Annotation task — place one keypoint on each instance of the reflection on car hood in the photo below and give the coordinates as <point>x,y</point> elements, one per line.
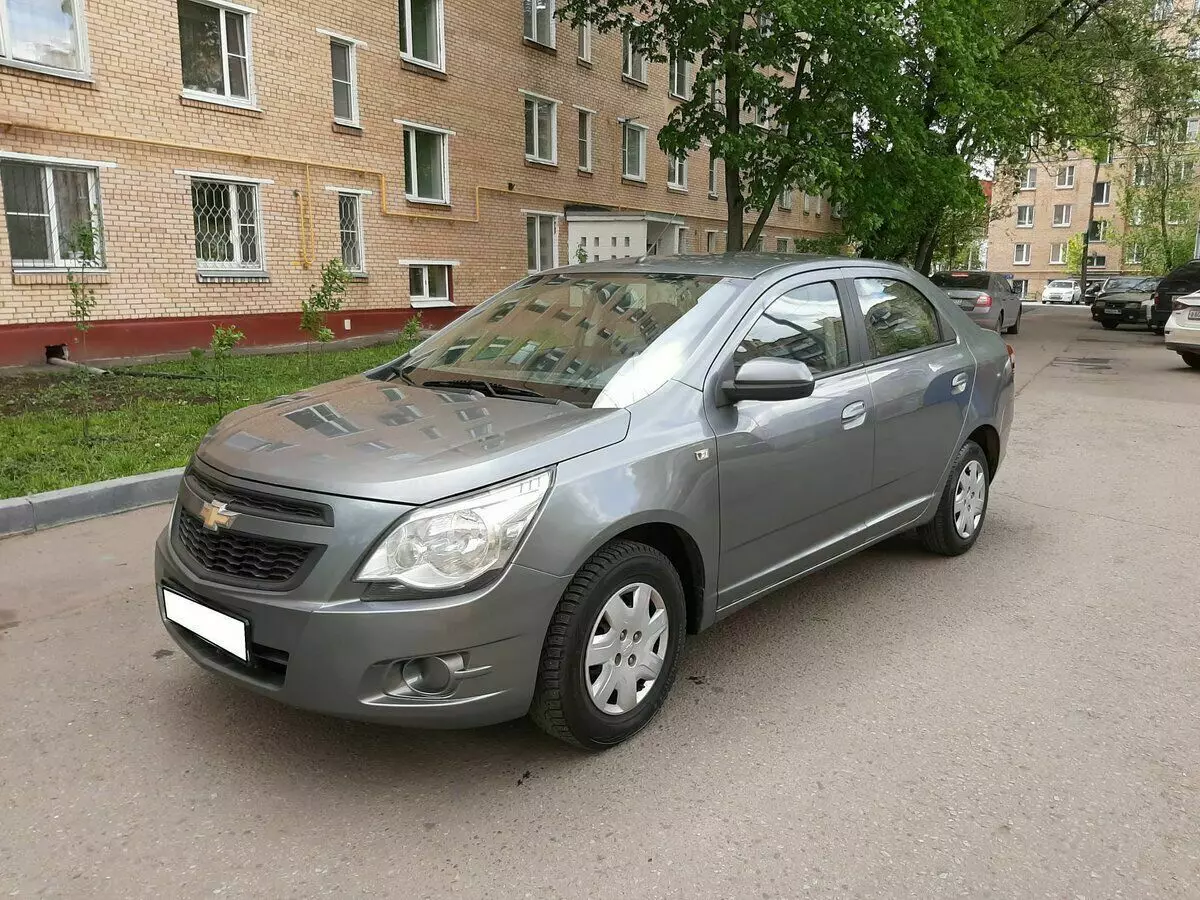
<point>389,441</point>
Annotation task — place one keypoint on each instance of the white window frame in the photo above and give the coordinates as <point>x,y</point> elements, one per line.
<point>1066,220</point>
<point>536,217</point>
<point>1134,255</point>
<point>250,101</point>
<point>1094,262</point>
<point>1107,193</point>
<point>588,118</point>
<point>425,301</point>
<point>1065,182</point>
<point>351,46</point>
<point>46,167</point>
<point>806,203</point>
<point>1027,221</point>
<point>714,183</point>
<point>539,100</point>
<point>1141,174</point>
<point>529,17</point>
<point>231,183</point>
<point>1101,226</point>
<point>406,51</point>
<point>1030,182</point>
<point>629,56</point>
<point>1021,259</point>
<point>79,17</point>
<point>356,196</point>
<point>411,159</point>
<point>674,74</point>
<point>584,53</point>
<point>641,131</point>
<point>1058,254</point>
<point>787,199</point>
<point>677,173</point>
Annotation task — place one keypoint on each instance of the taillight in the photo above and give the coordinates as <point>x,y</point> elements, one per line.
<point>1012,357</point>
<point>1177,306</point>
<point>983,300</point>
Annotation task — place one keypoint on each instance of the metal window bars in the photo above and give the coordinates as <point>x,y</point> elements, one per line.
<point>228,230</point>
<point>350,227</point>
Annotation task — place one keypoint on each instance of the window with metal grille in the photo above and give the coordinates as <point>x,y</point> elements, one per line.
<point>541,242</point>
<point>53,215</point>
<point>345,82</point>
<point>228,227</point>
<point>633,151</point>
<point>426,165</point>
<point>422,32</point>
<point>677,172</point>
<point>43,34</point>
<point>585,140</point>
<point>541,129</point>
<point>539,21</point>
<point>781,245</point>
<point>429,285</point>
<point>350,226</point>
<point>214,43</point>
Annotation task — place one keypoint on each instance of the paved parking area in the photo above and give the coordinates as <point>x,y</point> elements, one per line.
<point>1018,722</point>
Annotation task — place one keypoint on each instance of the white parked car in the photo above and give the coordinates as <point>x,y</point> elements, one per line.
<point>1062,290</point>
<point>1183,328</point>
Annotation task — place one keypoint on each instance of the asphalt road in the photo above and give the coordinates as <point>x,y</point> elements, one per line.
<point>1019,722</point>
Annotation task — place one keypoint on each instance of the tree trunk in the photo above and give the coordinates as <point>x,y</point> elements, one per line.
<point>735,203</point>
<point>923,260</point>
<point>1087,234</point>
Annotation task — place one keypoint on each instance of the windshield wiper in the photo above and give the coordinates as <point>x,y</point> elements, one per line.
<point>492,389</point>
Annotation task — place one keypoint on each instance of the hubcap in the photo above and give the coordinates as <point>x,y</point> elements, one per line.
<point>626,649</point>
<point>970,498</point>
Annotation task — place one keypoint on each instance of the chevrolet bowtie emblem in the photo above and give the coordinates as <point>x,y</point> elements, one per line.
<point>215,516</point>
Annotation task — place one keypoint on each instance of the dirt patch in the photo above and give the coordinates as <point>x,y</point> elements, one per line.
<point>64,392</point>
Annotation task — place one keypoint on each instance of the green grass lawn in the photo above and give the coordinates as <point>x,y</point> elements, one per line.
<point>141,424</point>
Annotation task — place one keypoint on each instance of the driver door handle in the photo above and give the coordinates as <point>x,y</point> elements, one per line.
<point>958,383</point>
<point>854,415</point>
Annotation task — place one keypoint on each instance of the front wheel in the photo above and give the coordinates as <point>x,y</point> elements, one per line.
<point>612,649</point>
<point>963,505</point>
<point>1109,325</point>
<point>1192,359</point>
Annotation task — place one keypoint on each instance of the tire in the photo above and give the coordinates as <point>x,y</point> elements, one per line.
<point>941,534</point>
<point>1109,325</point>
<point>562,702</point>
<point>1000,324</point>
<point>1192,359</point>
<point>1015,327</point>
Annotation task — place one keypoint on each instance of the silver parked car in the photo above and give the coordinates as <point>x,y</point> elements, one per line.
<point>987,297</point>
<point>531,510</point>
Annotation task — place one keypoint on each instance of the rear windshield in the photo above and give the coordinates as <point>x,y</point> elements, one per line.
<point>1061,284</point>
<point>1182,280</point>
<point>969,280</point>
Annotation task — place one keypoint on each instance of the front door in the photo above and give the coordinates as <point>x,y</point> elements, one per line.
<point>921,383</point>
<point>795,476</point>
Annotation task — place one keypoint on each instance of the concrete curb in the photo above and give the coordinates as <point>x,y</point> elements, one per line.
<point>20,515</point>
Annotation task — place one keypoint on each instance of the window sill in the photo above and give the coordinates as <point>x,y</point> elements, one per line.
<point>203,277</point>
<point>538,45</point>
<point>1068,225</point>
<point>1024,226</point>
<point>679,97</point>
<point>58,276</point>
<point>585,63</point>
<point>629,179</point>
<point>532,163</point>
<point>356,277</point>
<point>420,67</point>
<point>421,303</point>
<point>1032,187</point>
<point>347,128</point>
<point>712,196</point>
<point>633,81</point>
<point>207,101</point>
<point>1064,187</point>
<point>586,173</point>
<point>1020,264</point>
<point>676,189</point>
<point>423,201</point>
<point>16,67</point>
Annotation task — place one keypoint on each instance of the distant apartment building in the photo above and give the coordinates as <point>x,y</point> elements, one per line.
<point>223,151</point>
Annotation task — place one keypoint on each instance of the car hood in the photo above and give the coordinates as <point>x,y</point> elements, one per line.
<point>359,437</point>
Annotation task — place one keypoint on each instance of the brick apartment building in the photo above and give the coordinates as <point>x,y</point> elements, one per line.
<point>1052,204</point>
<point>441,148</point>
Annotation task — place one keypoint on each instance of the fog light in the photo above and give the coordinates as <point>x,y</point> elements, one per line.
<point>427,675</point>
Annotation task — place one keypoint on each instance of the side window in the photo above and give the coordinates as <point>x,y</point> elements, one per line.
<point>899,318</point>
<point>804,324</point>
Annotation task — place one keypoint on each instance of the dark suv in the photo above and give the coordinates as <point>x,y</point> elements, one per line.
<point>1179,281</point>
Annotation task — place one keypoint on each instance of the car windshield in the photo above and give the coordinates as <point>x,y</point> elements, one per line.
<point>567,336</point>
<point>968,280</point>
<point>1120,284</point>
<point>1061,284</point>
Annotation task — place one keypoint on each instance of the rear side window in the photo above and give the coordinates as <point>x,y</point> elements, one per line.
<point>805,324</point>
<point>899,318</point>
<point>970,281</point>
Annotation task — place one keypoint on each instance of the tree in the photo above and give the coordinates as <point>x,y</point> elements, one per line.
<point>777,85</point>
<point>320,302</point>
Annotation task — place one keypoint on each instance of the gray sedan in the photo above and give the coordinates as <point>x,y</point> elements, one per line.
<point>533,509</point>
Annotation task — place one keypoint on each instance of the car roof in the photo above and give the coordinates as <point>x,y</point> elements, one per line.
<point>726,265</point>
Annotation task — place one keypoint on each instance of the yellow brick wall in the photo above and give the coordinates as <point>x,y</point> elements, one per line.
<point>132,114</point>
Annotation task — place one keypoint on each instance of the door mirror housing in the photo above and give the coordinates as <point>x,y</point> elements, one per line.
<point>769,378</point>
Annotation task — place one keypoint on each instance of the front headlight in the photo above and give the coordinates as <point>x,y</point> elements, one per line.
<point>451,544</point>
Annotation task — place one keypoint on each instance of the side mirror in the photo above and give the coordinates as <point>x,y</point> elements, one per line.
<point>768,378</point>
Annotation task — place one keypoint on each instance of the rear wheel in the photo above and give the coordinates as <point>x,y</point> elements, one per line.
<point>1000,324</point>
<point>962,508</point>
<point>1108,324</point>
<point>1192,359</point>
<point>612,649</point>
<point>1015,328</point>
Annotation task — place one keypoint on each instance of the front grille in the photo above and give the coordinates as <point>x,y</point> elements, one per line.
<point>267,506</point>
<point>242,558</point>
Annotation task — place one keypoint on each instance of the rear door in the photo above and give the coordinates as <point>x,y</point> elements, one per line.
<point>921,378</point>
<point>795,476</point>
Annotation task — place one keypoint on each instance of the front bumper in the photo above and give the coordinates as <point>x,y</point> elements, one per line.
<point>346,657</point>
<point>1129,315</point>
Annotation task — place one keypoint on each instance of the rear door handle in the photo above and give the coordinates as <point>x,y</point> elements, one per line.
<point>959,382</point>
<point>854,415</point>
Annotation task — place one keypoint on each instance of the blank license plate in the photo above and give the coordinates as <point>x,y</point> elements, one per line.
<point>215,627</point>
<point>1194,314</point>
<point>1114,310</point>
